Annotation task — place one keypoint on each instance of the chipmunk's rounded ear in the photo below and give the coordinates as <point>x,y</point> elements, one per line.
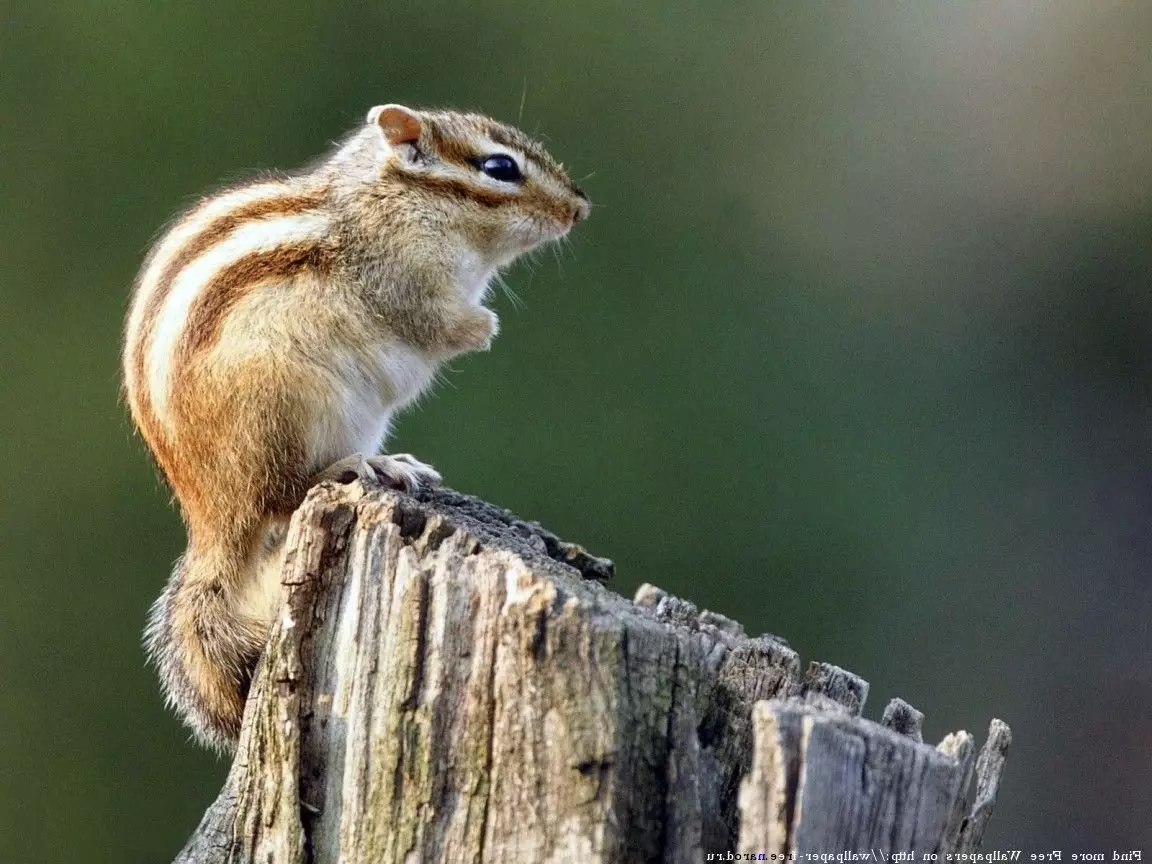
<point>400,125</point>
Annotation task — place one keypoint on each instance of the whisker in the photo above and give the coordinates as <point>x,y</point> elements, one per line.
<point>566,243</point>
<point>509,292</point>
<point>556,254</point>
<point>531,273</point>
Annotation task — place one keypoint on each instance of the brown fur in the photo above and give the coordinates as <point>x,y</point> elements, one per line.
<point>221,294</point>
<point>275,344</point>
<point>450,187</point>
<point>212,234</point>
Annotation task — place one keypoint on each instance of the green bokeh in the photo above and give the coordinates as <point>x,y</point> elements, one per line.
<point>856,349</point>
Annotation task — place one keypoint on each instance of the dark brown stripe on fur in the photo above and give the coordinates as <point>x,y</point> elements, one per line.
<point>197,245</point>
<point>516,140</point>
<point>146,420</point>
<point>453,145</point>
<point>462,189</point>
<point>217,298</point>
<point>451,148</point>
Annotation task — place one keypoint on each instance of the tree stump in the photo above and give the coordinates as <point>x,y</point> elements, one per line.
<point>447,683</point>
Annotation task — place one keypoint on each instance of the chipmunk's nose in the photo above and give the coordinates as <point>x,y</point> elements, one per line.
<point>581,209</point>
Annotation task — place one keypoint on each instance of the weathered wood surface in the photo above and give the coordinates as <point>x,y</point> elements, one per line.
<point>449,684</point>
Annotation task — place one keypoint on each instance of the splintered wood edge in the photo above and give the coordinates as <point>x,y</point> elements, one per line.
<point>770,795</point>
<point>989,770</point>
<point>258,814</point>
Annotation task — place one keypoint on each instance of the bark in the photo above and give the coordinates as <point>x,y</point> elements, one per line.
<point>447,683</point>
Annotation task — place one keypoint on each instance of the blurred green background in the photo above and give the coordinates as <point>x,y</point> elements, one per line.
<point>857,349</point>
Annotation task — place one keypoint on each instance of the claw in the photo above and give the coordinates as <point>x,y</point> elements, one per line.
<point>404,471</point>
<point>347,470</point>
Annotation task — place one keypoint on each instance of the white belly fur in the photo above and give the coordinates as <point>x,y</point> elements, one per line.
<point>365,390</point>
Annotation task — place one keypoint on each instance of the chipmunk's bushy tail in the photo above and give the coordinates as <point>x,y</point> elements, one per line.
<point>204,650</point>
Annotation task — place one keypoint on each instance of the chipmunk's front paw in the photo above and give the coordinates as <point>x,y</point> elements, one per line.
<point>473,331</point>
<point>491,329</point>
<point>404,471</point>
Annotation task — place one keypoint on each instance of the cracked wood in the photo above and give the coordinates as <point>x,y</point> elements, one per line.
<point>449,683</point>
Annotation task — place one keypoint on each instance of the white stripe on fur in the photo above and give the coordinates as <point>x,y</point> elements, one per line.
<point>169,247</point>
<point>260,236</point>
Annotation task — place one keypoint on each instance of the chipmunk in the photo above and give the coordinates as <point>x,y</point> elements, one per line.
<point>276,328</point>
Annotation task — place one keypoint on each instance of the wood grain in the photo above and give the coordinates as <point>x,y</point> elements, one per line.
<point>448,683</point>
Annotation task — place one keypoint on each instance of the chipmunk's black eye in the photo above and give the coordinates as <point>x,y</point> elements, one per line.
<point>501,167</point>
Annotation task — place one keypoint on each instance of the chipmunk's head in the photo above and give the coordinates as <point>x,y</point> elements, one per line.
<point>498,189</point>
